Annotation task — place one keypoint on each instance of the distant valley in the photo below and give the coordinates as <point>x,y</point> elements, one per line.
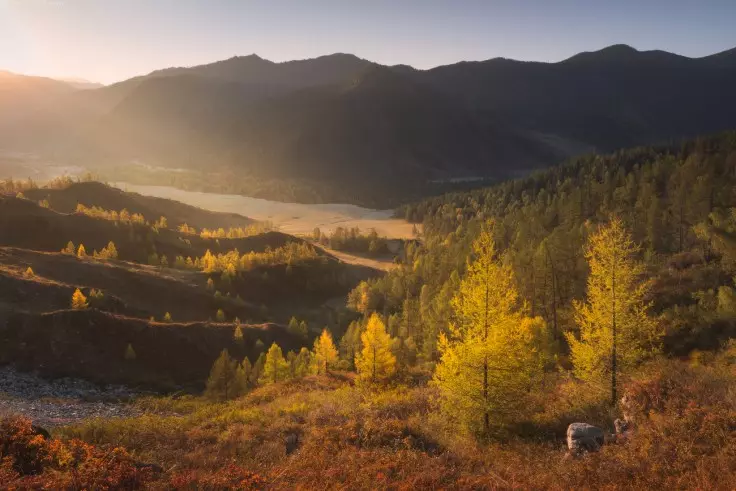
<point>291,218</point>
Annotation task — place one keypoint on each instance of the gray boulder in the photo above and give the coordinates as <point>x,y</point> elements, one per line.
<point>582,437</point>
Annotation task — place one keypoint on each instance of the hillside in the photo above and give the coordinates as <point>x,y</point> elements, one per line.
<point>157,288</point>
<point>464,366</point>
<point>97,194</point>
<point>30,226</point>
<point>341,128</point>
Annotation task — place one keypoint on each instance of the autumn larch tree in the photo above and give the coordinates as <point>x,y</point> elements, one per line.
<point>375,362</point>
<point>69,249</point>
<point>293,327</point>
<point>303,363</point>
<point>325,353</point>
<point>238,333</point>
<point>247,373</point>
<point>79,301</point>
<point>109,252</point>
<point>275,368</point>
<point>225,380</point>
<point>488,359</point>
<point>257,370</point>
<point>81,252</point>
<point>130,353</point>
<point>303,330</point>
<point>616,331</point>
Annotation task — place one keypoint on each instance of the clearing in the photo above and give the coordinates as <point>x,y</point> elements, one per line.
<point>291,218</point>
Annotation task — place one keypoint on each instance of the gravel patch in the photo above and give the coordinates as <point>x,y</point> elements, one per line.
<point>60,402</point>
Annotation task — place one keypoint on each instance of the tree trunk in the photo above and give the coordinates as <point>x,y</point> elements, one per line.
<point>554,293</point>
<point>486,416</point>
<point>613,329</point>
<point>374,363</point>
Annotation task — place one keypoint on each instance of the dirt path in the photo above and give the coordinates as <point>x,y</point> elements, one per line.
<point>378,264</point>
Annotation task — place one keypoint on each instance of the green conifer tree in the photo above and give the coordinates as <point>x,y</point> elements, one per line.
<point>275,368</point>
<point>224,382</point>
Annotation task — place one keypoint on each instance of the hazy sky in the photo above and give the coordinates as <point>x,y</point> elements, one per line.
<point>111,40</point>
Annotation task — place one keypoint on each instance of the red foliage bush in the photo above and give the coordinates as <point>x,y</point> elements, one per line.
<point>28,460</point>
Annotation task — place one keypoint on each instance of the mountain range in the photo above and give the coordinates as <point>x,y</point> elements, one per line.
<point>355,123</point>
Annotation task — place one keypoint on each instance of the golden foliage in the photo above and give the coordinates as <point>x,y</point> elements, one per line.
<point>616,296</point>
<point>325,353</point>
<point>375,362</point>
<point>490,358</point>
<point>79,301</point>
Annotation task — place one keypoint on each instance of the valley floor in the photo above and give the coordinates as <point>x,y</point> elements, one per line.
<point>291,218</point>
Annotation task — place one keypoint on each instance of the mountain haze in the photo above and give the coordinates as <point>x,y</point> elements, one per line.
<point>347,121</point>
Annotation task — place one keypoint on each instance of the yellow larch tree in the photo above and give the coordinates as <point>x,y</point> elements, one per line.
<point>209,262</point>
<point>109,252</point>
<point>616,331</point>
<point>69,249</point>
<point>325,353</point>
<point>79,301</point>
<point>375,362</point>
<point>490,357</point>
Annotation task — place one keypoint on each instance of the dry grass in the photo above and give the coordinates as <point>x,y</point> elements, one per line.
<point>360,438</point>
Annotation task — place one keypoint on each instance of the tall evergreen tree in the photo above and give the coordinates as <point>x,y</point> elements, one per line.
<point>325,353</point>
<point>224,382</point>
<point>275,368</point>
<point>489,359</point>
<point>375,362</point>
<point>247,372</point>
<point>303,363</point>
<point>616,331</point>
<point>257,370</point>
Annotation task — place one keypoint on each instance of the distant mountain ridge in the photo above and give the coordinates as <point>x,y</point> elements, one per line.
<point>343,119</point>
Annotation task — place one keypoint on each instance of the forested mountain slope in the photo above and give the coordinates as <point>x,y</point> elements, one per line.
<point>678,203</point>
<point>353,129</point>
